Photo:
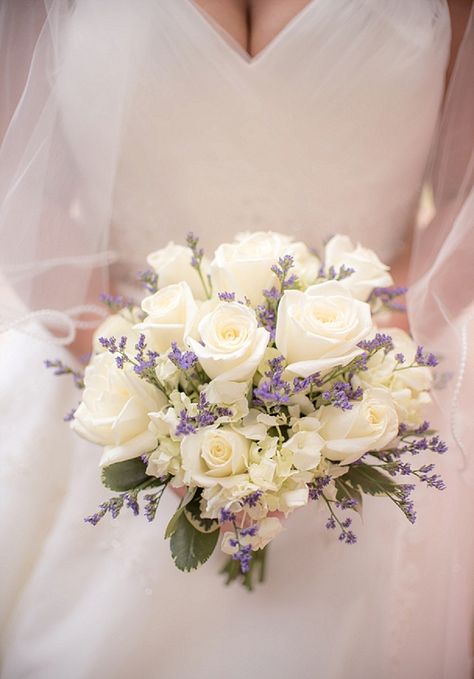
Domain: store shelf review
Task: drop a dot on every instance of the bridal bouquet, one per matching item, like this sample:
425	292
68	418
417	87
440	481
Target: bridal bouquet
257	383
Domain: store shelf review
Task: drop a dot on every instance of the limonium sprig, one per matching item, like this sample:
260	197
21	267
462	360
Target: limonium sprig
256	399
197	256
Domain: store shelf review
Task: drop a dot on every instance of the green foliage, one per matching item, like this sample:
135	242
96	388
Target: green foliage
127	475
369	480
193	515
346	492
232	570
171	527
190	548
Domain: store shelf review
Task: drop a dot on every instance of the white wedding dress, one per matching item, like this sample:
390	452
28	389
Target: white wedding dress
327	130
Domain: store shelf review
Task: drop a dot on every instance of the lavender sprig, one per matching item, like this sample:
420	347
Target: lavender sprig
207	414
117	302
341	394
149	279
387	297
196	262
61	368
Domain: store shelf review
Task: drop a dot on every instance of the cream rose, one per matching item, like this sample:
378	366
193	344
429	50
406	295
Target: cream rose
371	424
244	267
173	264
213	455
306	264
233	343
369	271
321	327
115	408
170	314
409	387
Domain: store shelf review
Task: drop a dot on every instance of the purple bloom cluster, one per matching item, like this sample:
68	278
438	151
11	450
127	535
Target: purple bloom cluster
404	501
281	271
185	360
61	368
340	395
149	279
266	317
145	359
423	358
117	302
274	391
192	242
380	341
207	414
388	297
338	275
152	502
252	499
317	487
70	415
226	296
345	535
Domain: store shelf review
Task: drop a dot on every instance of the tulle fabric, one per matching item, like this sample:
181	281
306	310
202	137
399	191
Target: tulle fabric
82	602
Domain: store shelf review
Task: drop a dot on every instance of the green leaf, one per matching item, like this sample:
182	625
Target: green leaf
257	569
369	480
190	547
171	527
123	476
192	512
347	492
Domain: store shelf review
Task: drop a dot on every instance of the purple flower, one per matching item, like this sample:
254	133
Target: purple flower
117	302
273	391
61	368
185	360
380	341
226	516
423	358
226	296
149	279
252	499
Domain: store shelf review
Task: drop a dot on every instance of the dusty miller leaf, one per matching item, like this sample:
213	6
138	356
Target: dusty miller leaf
190	548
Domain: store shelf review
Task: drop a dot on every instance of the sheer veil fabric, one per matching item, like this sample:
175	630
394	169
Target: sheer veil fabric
135	122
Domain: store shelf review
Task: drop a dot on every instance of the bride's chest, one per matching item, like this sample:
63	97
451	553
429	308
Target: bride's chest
330	124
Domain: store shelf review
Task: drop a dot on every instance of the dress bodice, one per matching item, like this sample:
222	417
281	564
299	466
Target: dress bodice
327	130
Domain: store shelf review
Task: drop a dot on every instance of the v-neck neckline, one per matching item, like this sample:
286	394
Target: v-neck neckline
234	47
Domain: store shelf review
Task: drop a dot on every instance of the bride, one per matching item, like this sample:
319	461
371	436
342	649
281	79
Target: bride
131	123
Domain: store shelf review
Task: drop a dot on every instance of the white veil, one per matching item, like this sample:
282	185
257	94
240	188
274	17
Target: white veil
441	295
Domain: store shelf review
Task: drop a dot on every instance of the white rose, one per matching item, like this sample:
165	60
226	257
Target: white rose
213	456
117	325
114	410
307	264
233	343
409	387
369	271
306	447
173	265
170	314
244	267
321	327
371	424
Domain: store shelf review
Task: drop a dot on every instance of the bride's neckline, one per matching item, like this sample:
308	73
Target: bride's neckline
235	48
